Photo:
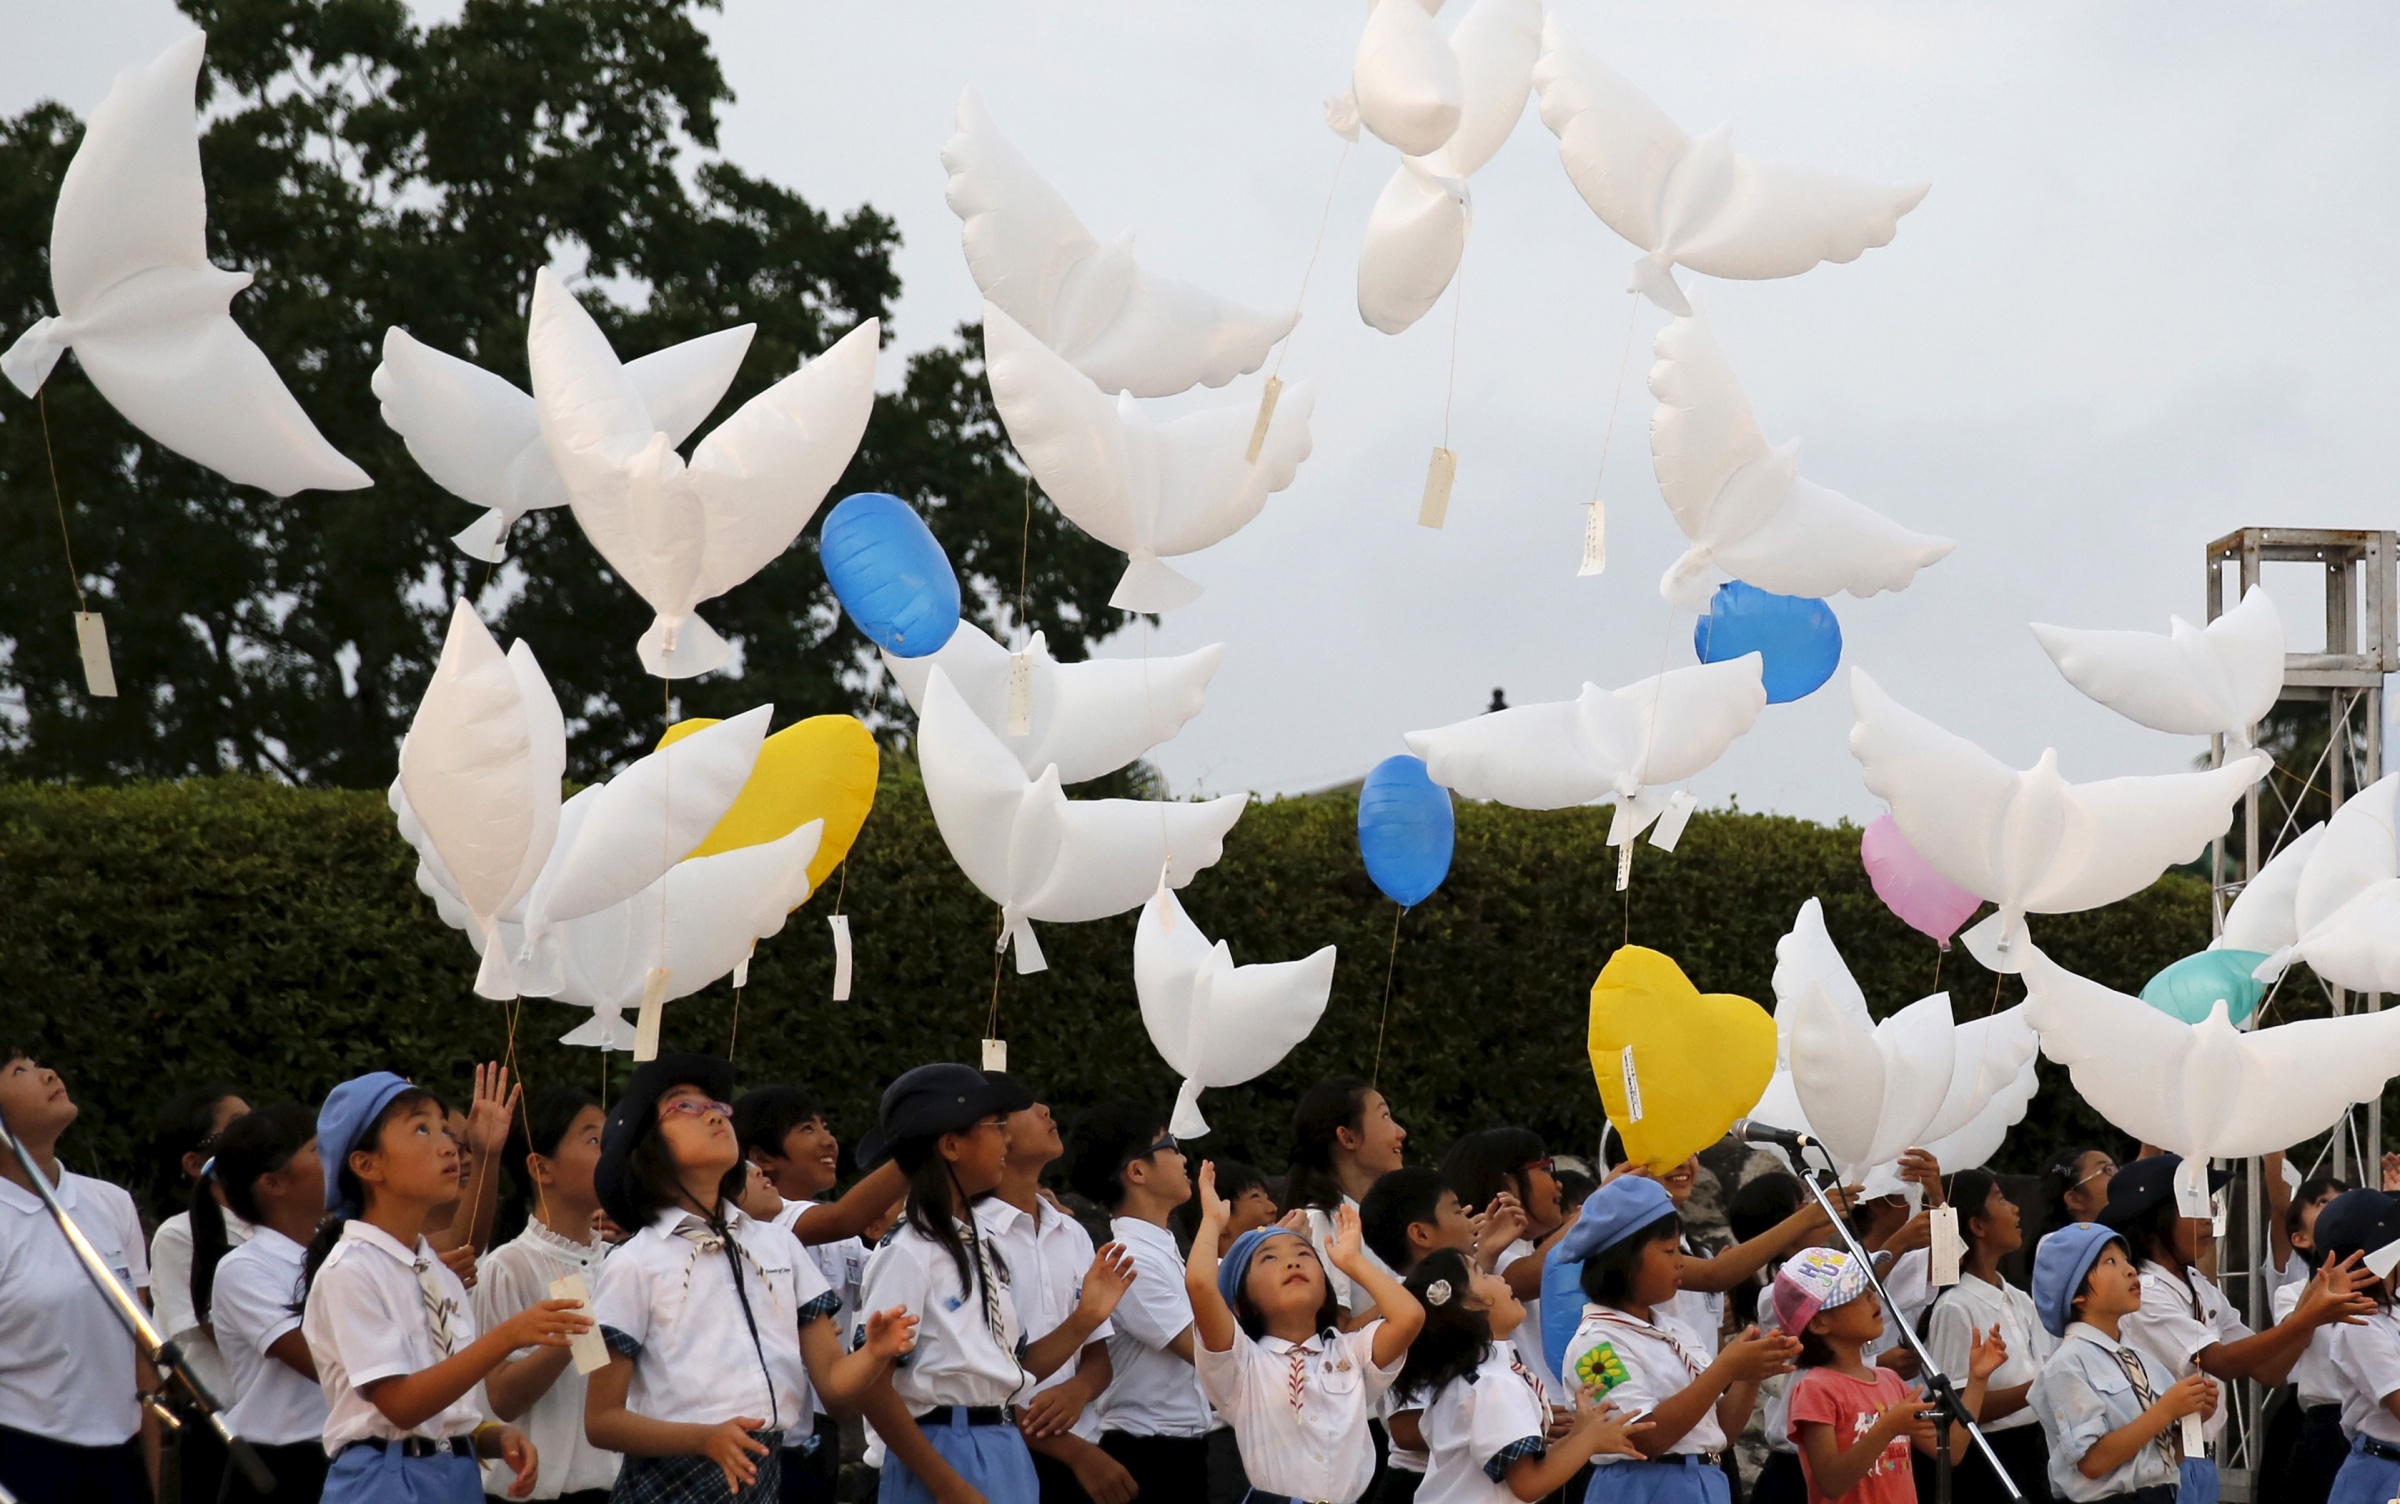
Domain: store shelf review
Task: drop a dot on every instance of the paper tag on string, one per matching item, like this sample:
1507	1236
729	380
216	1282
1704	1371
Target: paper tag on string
1595	538
1020	693
841	956
995	1055
741	970
2191	1190
589	1347
1624	866
2218	1211
654	1004
91	636
2195	1440
1266	418
1945	1250
1669	828
1633	1086
1438	477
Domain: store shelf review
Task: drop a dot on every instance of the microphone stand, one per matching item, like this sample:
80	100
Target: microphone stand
1938	1387
164	1355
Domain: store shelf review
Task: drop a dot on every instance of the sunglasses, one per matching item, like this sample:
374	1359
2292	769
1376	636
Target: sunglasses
696	1107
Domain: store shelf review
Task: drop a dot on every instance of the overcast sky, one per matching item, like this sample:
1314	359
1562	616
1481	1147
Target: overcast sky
2151	298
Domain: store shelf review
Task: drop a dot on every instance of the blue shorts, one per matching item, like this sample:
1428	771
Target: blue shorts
1679	1479
2198	1485
991	1458
2365	1479
364	1475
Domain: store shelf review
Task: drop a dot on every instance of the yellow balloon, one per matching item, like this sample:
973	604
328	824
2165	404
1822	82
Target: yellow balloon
1675	1065
821	768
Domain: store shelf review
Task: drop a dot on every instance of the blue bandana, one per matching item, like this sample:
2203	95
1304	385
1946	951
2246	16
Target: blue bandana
1236	1263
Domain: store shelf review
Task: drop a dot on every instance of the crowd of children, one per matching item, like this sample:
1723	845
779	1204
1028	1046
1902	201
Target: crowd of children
689	1313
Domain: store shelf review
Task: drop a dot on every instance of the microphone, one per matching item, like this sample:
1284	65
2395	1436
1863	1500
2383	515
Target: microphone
1752	1131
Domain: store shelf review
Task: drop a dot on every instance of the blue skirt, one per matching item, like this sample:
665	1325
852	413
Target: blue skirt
363	1475
2364	1479
992	1459
1679	1479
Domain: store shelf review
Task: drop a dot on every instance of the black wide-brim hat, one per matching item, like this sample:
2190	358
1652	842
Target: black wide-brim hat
2139	1187
636	1113
932	1100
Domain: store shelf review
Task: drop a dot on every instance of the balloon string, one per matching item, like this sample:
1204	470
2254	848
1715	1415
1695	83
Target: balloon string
843	886
734	1035
1458	299
516	1007
1310	271
41	399
1024	552
1937	966
1391	962
1608	435
991	1019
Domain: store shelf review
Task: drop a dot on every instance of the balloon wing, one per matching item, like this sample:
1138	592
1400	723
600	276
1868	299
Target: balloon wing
2264	914
2348	896
1215	1023
145	310
1870	1090
1406	79
2219	680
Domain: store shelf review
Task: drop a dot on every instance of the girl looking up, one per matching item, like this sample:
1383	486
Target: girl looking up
267	1166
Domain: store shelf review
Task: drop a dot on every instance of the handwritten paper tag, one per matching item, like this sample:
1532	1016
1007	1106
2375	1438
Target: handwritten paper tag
2191	1190
1595	538
1670	825
1633	1086
2195	1440
99	675
841	956
590	1348
1438	477
1946	1250
995	1054
1625	866
1266	417
1020	693
654	1004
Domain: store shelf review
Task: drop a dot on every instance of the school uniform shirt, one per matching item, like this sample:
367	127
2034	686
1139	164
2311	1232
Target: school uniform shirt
1527	1338
1047	1254
1700	1314
66	1362
513	1277
2313	1370
1299	1411
1406	1459
256	1304
2366	1360
1975	1305
378	1309
840	1261
2176	1321
1477	1425
1827	1397
1775	1392
1910	1284
667	1297
1320	1237
1635	1365
968	1341
2086	1391
171	1308
1153	1392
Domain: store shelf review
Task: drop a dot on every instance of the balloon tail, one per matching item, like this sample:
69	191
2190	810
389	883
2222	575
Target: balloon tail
1938	952
1595	517
1391	963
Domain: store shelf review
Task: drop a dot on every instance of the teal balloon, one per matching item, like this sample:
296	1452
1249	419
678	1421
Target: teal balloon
2193	985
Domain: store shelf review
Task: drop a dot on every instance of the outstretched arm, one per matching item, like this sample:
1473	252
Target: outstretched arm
1212	1319
1402	1316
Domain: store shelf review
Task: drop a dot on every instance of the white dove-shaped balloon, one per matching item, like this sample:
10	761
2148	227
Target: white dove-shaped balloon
1418	230
1744	505
1980	1137
679	533
480	438
1656	731
2262	917
478	790
2030	841
145	310
1127	330
1149	488
1037	853
2346	906
1212	1022
1087	719
2193	681
2207	1089
1699	203
1407	82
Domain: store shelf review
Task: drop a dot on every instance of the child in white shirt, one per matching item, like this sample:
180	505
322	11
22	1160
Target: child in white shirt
267	1166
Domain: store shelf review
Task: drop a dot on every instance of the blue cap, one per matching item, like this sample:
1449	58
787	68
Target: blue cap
2060	1264
1236	1262
348	1111
1612	1214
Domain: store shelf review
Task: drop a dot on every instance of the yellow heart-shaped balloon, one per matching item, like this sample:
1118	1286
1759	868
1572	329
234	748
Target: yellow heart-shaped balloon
1675	1065
823	768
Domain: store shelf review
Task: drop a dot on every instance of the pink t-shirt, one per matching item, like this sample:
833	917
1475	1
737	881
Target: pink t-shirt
1826	1397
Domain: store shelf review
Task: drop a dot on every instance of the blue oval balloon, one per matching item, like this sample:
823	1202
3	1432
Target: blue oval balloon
1800	638
1405	830
2193	985
890	574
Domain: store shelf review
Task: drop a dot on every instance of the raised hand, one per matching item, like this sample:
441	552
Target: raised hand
1349	1238
1755	1355
546	1323
892	1333
1920	1166
2337	1294
495	1103
1215	1210
1504	1222
1986	1351
1105	1283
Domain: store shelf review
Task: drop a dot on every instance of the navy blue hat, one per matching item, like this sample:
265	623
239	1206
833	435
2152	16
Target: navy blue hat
2359	1221
932	1100
2138	1188
349	1110
1612	1214
2059	1266
1236	1262
636	1113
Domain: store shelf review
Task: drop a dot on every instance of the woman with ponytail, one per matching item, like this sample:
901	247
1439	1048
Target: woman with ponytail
268	1170
182	1138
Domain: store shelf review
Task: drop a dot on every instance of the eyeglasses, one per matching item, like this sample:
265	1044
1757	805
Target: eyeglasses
1165	1141
1546	1166
697	1107
2106	1168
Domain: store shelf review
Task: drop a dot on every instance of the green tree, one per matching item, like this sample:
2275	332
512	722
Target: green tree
373	172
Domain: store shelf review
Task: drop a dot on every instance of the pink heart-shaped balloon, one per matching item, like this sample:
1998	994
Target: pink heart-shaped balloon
1925	900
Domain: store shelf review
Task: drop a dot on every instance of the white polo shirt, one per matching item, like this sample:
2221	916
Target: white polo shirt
1320	1237
1481	1423
1975	1305
1528	1336
366	1320
1312	1445
256	1303
959	1358
1634	1365
514	1276
66	1361
2313	1370
2168	1329
1047	1254
171	1306
840	1261
1910	1284
669	1301
2366	1360
1153	1393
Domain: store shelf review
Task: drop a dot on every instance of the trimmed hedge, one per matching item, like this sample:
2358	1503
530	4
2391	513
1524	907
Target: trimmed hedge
163	934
